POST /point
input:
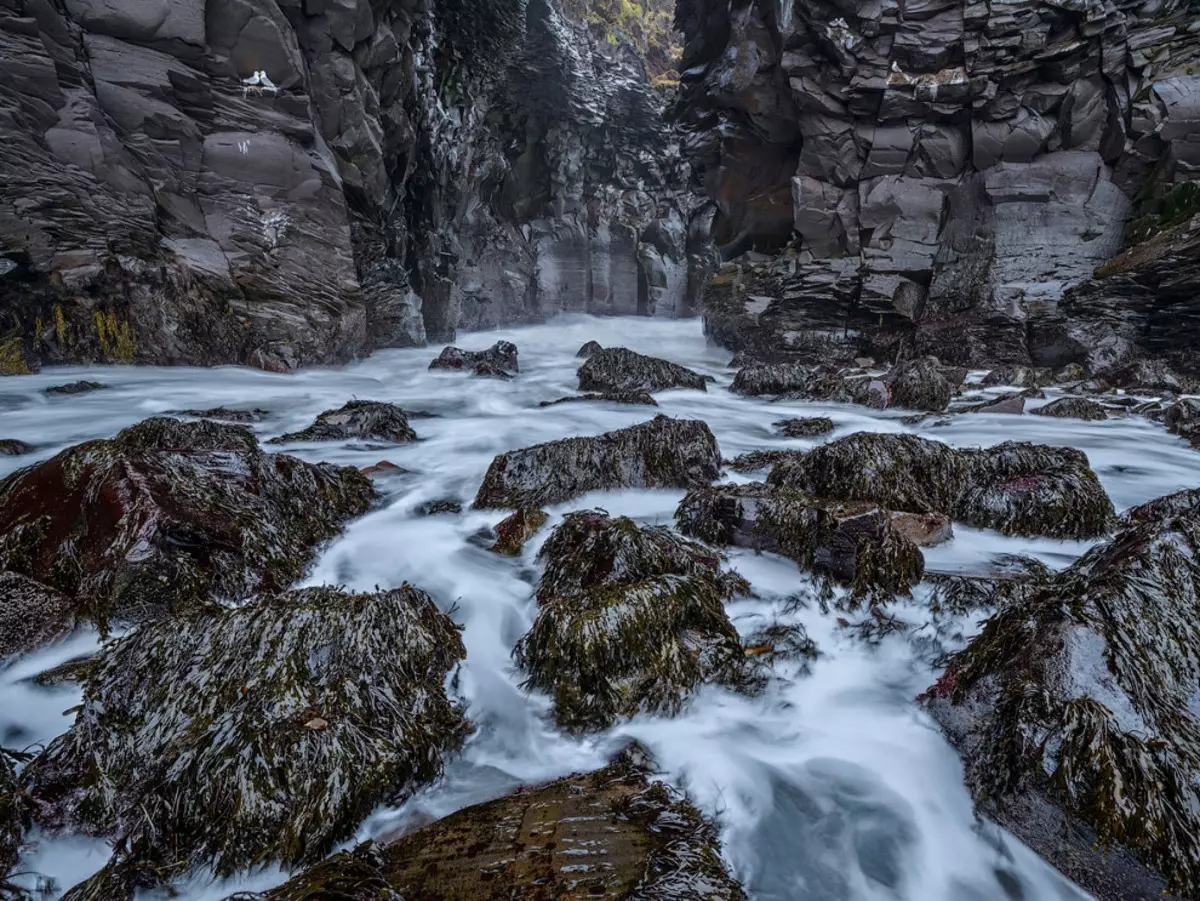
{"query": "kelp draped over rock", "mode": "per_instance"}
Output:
(263, 733)
(615, 370)
(610, 834)
(1081, 691)
(169, 515)
(630, 619)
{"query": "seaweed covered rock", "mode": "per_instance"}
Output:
(636, 398)
(589, 348)
(169, 515)
(498, 361)
(11, 819)
(757, 379)
(630, 619)
(795, 381)
(661, 453)
(263, 733)
(1073, 408)
(225, 414)
(82, 387)
(1015, 488)
(11, 447)
(611, 834)
(856, 543)
(1180, 502)
(364, 420)
(1010, 404)
(513, 531)
(1074, 712)
(31, 614)
(1182, 418)
(756, 461)
(805, 427)
(918, 385)
(617, 370)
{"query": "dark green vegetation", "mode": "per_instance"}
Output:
(358, 419)
(661, 453)
(264, 733)
(611, 835)
(630, 619)
(171, 515)
(615, 370)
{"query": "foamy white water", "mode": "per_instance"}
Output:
(831, 786)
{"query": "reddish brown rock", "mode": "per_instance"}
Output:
(513, 531)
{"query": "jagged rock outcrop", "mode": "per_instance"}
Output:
(943, 178)
(410, 168)
(617, 370)
(262, 733)
(498, 361)
(364, 420)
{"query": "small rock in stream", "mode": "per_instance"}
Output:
(81, 387)
(357, 420)
(513, 531)
(806, 427)
(616, 370)
(637, 398)
(498, 361)
(11, 447)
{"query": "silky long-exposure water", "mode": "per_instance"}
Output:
(831, 786)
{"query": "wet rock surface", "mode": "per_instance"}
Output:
(225, 414)
(170, 515)
(612, 834)
(1182, 418)
(1015, 488)
(617, 370)
(11, 447)
(588, 349)
(805, 427)
(264, 733)
(363, 420)
(634, 398)
(31, 615)
(757, 461)
(918, 385)
(513, 531)
(1074, 408)
(74, 388)
(630, 619)
(661, 453)
(498, 361)
(855, 543)
(1073, 710)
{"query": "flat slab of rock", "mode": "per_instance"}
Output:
(612, 835)
(805, 427)
(918, 385)
(631, 619)
(262, 733)
(31, 614)
(661, 453)
(616, 370)
(637, 398)
(1073, 408)
(857, 544)
(364, 420)
(83, 387)
(169, 515)
(498, 361)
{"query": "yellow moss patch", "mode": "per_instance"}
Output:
(12, 358)
(116, 337)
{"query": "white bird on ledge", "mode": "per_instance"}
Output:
(257, 83)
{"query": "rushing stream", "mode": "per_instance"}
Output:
(832, 785)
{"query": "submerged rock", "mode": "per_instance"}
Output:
(638, 398)
(918, 385)
(513, 531)
(225, 414)
(169, 515)
(1073, 408)
(588, 349)
(31, 614)
(1015, 488)
(498, 361)
(616, 370)
(366, 420)
(611, 834)
(856, 544)
(439, 507)
(82, 387)
(661, 453)
(630, 619)
(806, 427)
(1074, 712)
(264, 733)
(11, 447)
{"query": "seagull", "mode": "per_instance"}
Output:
(267, 84)
(253, 83)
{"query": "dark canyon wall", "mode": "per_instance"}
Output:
(950, 177)
(424, 166)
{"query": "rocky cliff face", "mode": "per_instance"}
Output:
(418, 166)
(946, 176)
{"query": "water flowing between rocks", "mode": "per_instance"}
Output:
(832, 785)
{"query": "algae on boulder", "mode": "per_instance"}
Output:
(805, 427)
(611, 834)
(755, 461)
(855, 543)
(362, 419)
(169, 515)
(31, 614)
(631, 619)
(1073, 408)
(498, 361)
(918, 385)
(661, 453)
(1074, 710)
(617, 370)
(262, 733)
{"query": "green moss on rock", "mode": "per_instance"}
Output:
(264, 733)
(170, 515)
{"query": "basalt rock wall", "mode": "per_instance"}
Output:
(949, 177)
(418, 166)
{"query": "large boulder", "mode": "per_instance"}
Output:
(498, 361)
(854, 543)
(611, 834)
(263, 733)
(661, 453)
(170, 515)
(364, 420)
(630, 619)
(31, 614)
(918, 385)
(1015, 488)
(616, 370)
(1074, 711)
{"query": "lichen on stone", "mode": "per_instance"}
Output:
(617, 370)
(259, 734)
(358, 419)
